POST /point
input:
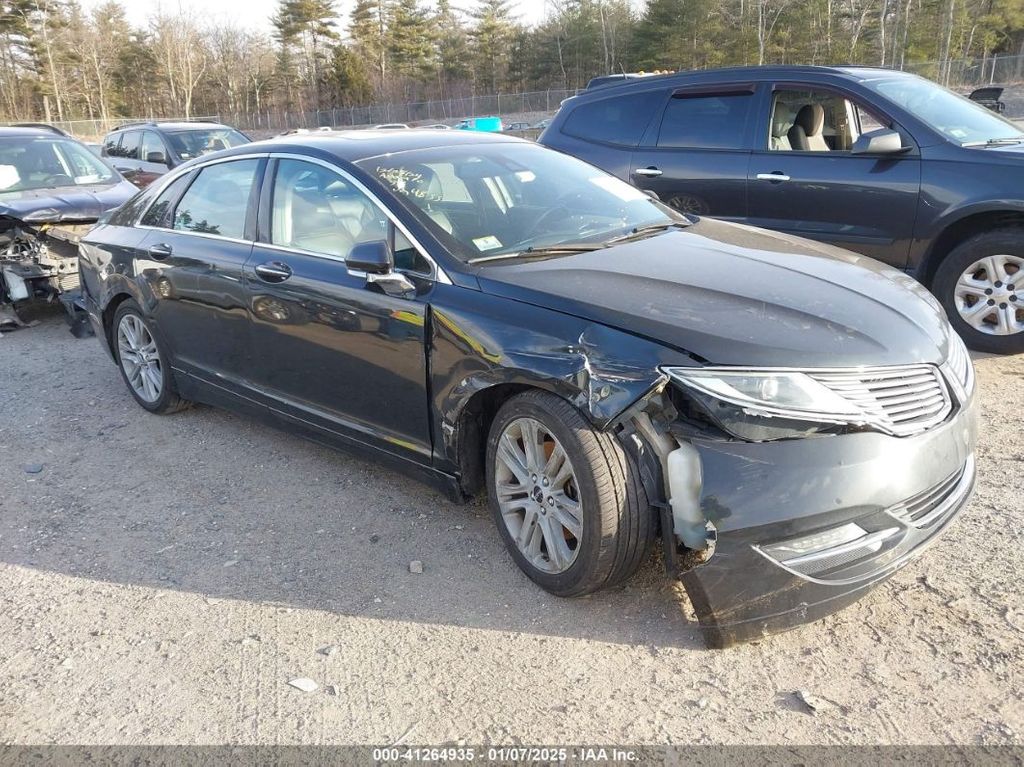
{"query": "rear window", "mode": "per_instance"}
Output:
(705, 122)
(619, 120)
(130, 145)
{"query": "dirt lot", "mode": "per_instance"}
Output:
(162, 580)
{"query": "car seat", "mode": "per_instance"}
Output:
(806, 134)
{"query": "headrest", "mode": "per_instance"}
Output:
(811, 118)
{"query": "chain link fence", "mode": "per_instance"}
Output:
(535, 103)
(960, 74)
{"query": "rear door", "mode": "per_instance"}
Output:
(805, 181)
(194, 259)
(695, 155)
(605, 132)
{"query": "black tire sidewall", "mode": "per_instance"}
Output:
(587, 563)
(1004, 242)
(168, 396)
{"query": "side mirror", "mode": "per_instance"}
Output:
(371, 257)
(881, 141)
(157, 157)
(378, 261)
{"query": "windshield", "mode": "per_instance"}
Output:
(27, 162)
(197, 142)
(956, 117)
(490, 200)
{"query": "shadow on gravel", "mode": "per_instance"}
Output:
(222, 506)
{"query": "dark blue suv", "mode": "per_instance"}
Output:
(884, 163)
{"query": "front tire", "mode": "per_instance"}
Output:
(143, 362)
(980, 284)
(567, 499)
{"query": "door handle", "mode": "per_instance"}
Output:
(775, 175)
(273, 271)
(650, 172)
(160, 251)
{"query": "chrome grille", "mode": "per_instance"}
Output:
(900, 400)
(929, 506)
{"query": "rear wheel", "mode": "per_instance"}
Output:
(981, 286)
(566, 498)
(143, 364)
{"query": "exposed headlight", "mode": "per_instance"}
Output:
(960, 367)
(782, 394)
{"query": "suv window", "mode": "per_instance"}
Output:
(818, 121)
(152, 143)
(620, 120)
(705, 121)
(218, 200)
(157, 213)
(110, 145)
(315, 209)
(130, 145)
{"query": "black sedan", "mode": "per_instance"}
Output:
(794, 421)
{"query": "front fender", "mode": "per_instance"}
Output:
(478, 341)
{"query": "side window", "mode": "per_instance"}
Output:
(157, 213)
(153, 145)
(818, 121)
(705, 121)
(619, 120)
(315, 209)
(130, 145)
(110, 145)
(218, 200)
(407, 258)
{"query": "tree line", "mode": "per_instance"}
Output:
(61, 62)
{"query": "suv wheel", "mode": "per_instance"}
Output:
(143, 364)
(567, 499)
(981, 286)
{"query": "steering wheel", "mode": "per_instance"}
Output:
(60, 179)
(543, 218)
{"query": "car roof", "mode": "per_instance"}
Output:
(742, 74)
(11, 131)
(174, 126)
(355, 145)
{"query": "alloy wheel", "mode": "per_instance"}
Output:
(990, 295)
(140, 360)
(538, 495)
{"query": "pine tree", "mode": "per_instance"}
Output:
(493, 32)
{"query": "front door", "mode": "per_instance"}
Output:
(330, 351)
(805, 181)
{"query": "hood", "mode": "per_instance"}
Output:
(70, 203)
(736, 295)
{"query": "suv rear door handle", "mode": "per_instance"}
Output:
(775, 175)
(273, 271)
(649, 171)
(160, 251)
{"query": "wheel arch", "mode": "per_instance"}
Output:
(108, 316)
(967, 225)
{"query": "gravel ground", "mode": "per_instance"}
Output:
(163, 578)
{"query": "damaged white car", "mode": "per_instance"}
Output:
(52, 190)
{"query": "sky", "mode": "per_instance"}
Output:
(255, 14)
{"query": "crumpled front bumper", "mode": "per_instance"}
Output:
(757, 494)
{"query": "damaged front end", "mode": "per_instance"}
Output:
(771, 521)
(38, 262)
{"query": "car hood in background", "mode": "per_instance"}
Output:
(69, 203)
(736, 295)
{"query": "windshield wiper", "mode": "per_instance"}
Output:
(642, 231)
(551, 250)
(995, 141)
